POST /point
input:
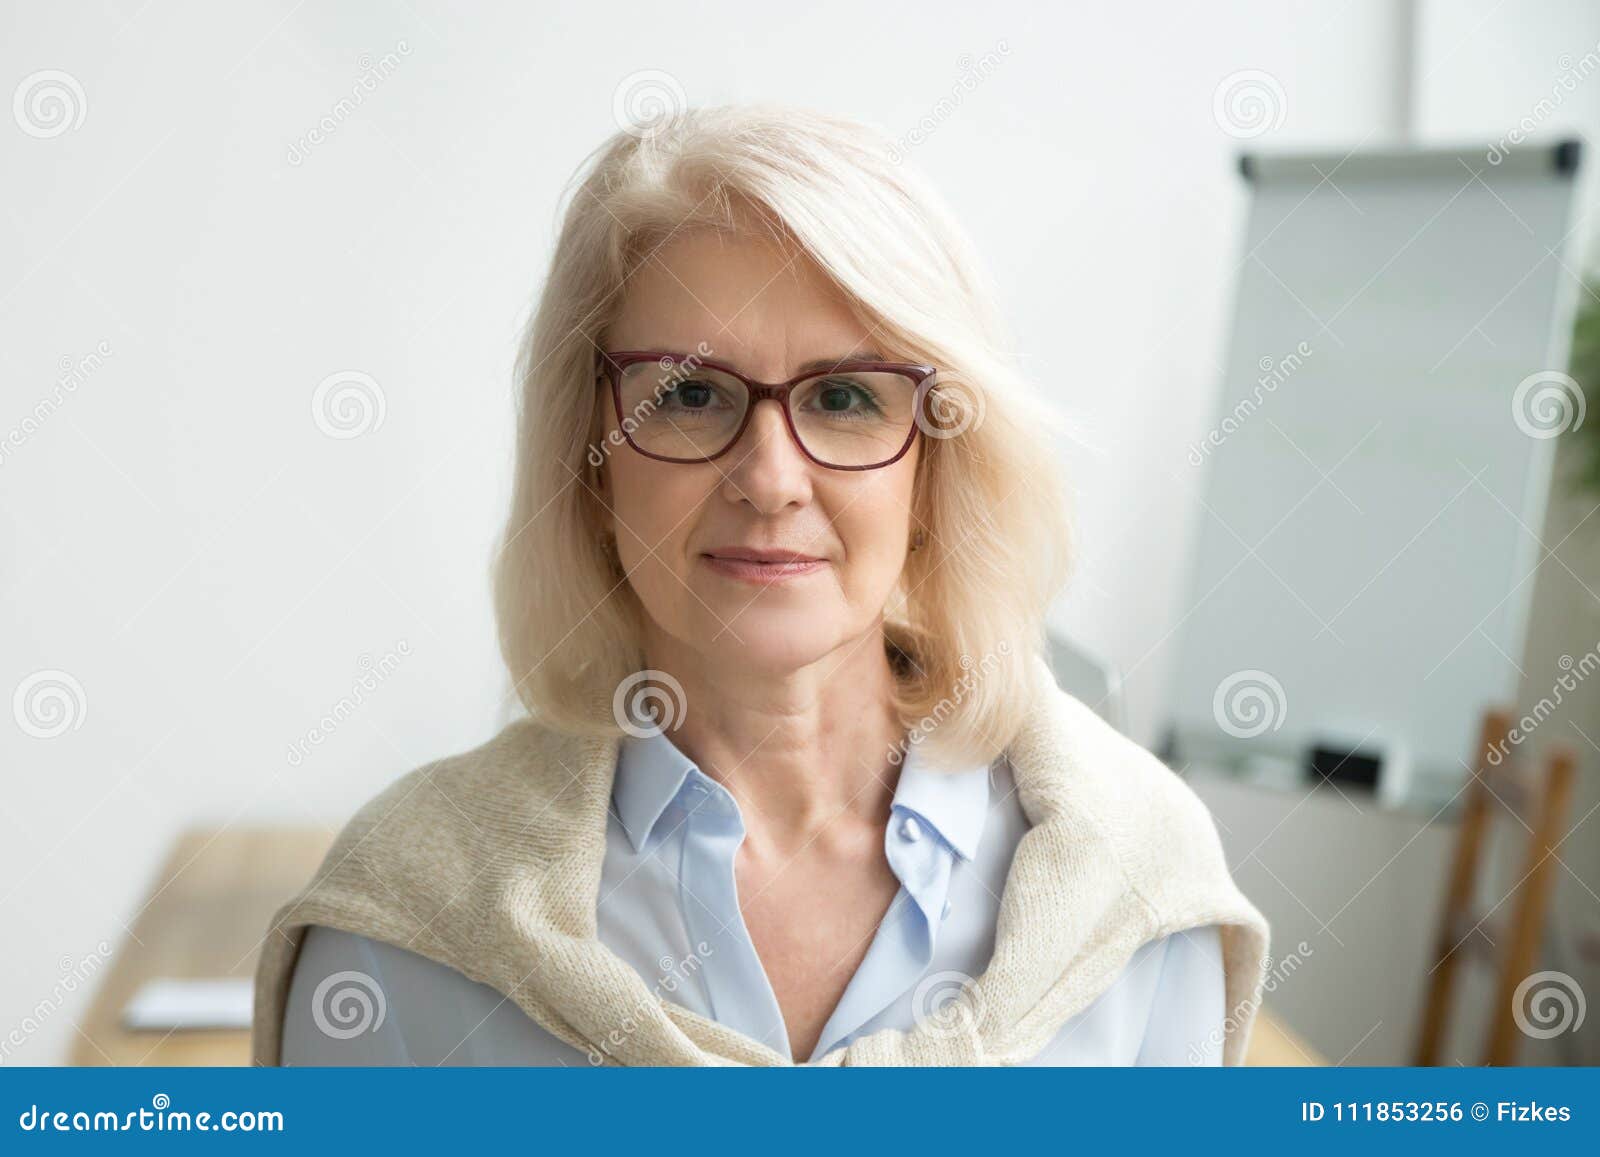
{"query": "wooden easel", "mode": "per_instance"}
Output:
(1497, 782)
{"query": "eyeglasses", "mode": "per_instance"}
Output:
(858, 415)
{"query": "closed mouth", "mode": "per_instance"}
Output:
(764, 557)
(761, 566)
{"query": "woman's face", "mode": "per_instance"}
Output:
(765, 312)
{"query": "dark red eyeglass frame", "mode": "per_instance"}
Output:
(613, 362)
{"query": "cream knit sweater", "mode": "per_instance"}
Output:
(489, 862)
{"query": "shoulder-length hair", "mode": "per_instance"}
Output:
(968, 616)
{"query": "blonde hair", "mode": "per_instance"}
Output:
(967, 617)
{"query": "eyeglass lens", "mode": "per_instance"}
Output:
(852, 418)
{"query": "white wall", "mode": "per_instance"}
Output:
(211, 567)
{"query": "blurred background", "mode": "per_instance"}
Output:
(1310, 278)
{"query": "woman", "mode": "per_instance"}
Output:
(795, 784)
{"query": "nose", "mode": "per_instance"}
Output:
(765, 466)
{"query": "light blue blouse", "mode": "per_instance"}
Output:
(668, 905)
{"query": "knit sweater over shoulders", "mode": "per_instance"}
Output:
(490, 861)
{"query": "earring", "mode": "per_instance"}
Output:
(918, 539)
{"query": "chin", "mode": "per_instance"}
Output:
(771, 644)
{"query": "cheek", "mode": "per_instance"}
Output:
(875, 530)
(653, 504)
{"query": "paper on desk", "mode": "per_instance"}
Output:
(176, 1003)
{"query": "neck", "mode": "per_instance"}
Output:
(797, 748)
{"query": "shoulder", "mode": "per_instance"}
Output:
(356, 1001)
(1116, 803)
(337, 1011)
(529, 788)
(528, 769)
(1165, 1007)
(1185, 1025)
(1124, 806)
(430, 860)
(1144, 808)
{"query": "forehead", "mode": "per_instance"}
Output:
(756, 304)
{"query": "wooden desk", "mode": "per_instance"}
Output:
(206, 917)
(1275, 1044)
(213, 900)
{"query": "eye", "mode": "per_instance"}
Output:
(845, 397)
(695, 394)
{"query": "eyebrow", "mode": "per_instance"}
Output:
(829, 363)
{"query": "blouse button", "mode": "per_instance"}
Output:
(910, 829)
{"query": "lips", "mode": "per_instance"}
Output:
(762, 567)
(744, 554)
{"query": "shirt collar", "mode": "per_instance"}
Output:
(651, 771)
(954, 803)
